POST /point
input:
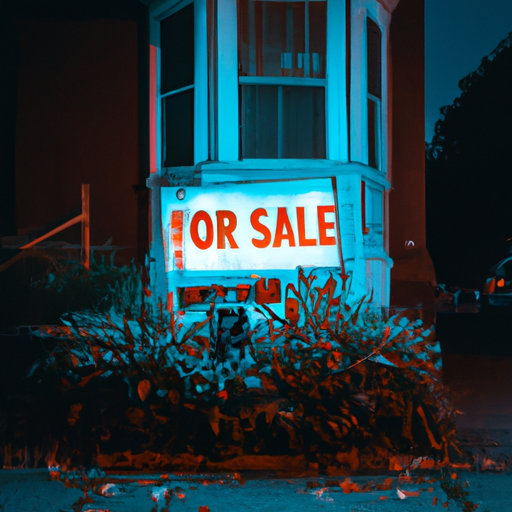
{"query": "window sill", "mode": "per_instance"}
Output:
(284, 169)
(244, 171)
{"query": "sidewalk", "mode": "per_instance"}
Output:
(30, 490)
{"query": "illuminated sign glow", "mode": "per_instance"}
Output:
(251, 226)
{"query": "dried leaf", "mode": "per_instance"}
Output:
(143, 389)
(213, 418)
(174, 396)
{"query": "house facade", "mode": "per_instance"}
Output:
(272, 151)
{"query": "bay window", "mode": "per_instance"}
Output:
(269, 79)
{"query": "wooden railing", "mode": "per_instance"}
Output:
(84, 218)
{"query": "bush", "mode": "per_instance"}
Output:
(341, 383)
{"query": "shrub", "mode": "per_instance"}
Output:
(340, 382)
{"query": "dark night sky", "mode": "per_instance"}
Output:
(458, 34)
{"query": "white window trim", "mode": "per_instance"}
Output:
(157, 12)
(251, 170)
(336, 119)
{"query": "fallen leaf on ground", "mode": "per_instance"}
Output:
(411, 494)
(108, 490)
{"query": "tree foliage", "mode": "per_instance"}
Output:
(469, 169)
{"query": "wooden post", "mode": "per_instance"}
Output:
(86, 250)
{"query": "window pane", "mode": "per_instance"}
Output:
(283, 122)
(177, 49)
(317, 42)
(259, 121)
(274, 38)
(373, 134)
(374, 42)
(303, 122)
(178, 129)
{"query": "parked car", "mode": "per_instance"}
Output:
(497, 290)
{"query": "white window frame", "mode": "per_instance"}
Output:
(336, 132)
(157, 12)
(284, 81)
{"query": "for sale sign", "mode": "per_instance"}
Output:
(278, 225)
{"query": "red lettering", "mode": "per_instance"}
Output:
(226, 230)
(323, 226)
(301, 226)
(258, 226)
(283, 222)
(199, 216)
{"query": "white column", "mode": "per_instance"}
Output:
(336, 94)
(200, 82)
(227, 120)
(358, 85)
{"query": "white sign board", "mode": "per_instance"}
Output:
(278, 225)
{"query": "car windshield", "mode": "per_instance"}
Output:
(504, 270)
